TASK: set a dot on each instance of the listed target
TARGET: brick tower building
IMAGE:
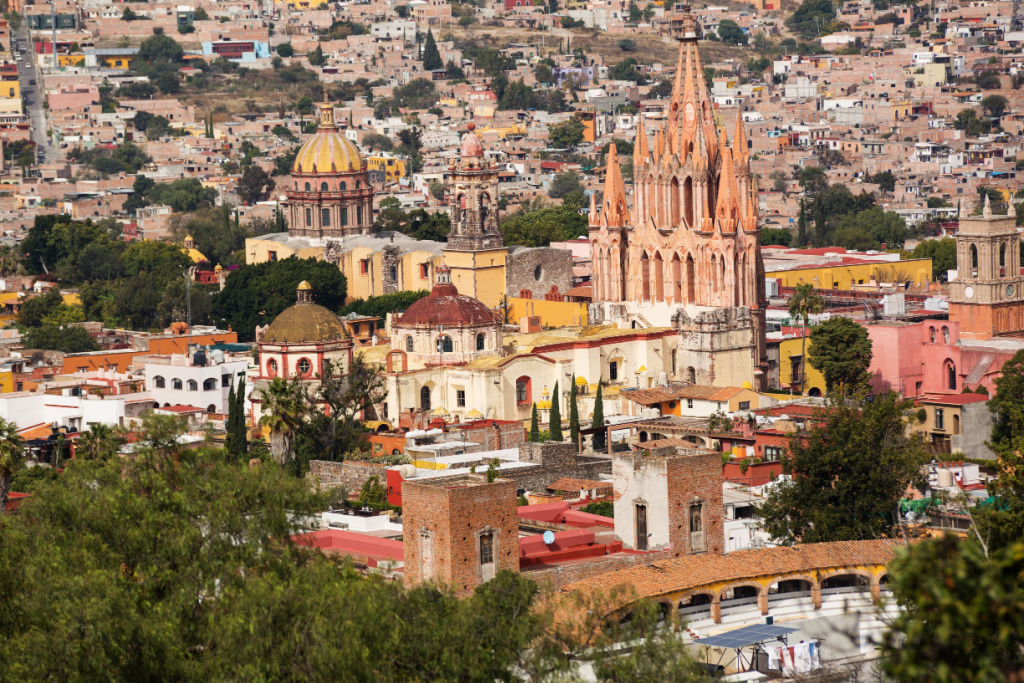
(670, 498)
(459, 531)
(987, 296)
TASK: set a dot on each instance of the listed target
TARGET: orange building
(120, 360)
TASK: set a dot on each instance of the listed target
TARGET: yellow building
(115, 61)
(790, 368)
(373, 270)
(6, 381)
(71, 60)
(845, 276)
(393, 168)
(10, 89)
(279, 246)
(551, 313)
(479, 274)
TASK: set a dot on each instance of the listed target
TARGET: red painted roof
(353, 543)
(564, 540)
(445, 306)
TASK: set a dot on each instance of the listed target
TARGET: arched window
(696, 527)
(444, 344)
(193, 385)
(209, 384)
(956, 425)
(1002, 260)
(272, 367)
(211, 408)
(344, 186)
(304, 366)
(176, 384)
(691, 375)
(931, 332)
(951, 375)
(974, 261)
(481, 342)
(945, 334)
(408, 343)
(159, 382)
(358, 185)
(425, 398)
(524, 392)
(308, 188)
(323, 187)
(325, 218)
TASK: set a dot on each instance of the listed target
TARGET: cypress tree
(431, 55)
(801, 227)
(555, 420)
(598, 421)
(229, 439)
(241, 433)
(534, 427)
(574, 415)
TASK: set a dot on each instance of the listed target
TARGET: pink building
(71, 99)
(929, 357)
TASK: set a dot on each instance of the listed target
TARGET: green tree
(381, 305)
(256, 294)
(34, 309)
(967, 120)
(543, 226)
(11, 454)
(805, 302)
(54, 338)
(841, 351)
(995, 105)
(886, 181)
(811, 16)
(813, 179)
(942, 252)
(567, 134)
(316, 58)
(730, 32)
(574, 415)
(598, 421)
(534, 426)
(962, 612)
(779, 236)
(285, 405)
(627, 70)
(563, 184)
(555, 416)
(849, 470)
(431, 55)
(285, 50)
(255, 184)
(627, 45)
(375, 141)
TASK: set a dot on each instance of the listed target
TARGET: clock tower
(987, 296)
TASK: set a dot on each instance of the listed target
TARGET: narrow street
(32, 93)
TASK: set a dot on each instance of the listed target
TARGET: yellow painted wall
(747, 395)
(394, 169)
(479, 274)
(362, 285)
(10, 89)
(71, 60)
(552, 313)
(117, 62)
(791, 347)
(6, 382)
(919, 272)
(258, 251)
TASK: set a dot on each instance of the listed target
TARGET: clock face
(969, 292)
(1010, 290)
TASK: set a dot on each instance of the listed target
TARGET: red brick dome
(445, 306)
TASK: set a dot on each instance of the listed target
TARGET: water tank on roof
(945, 478)
(217, 355)
(407, 471)
(199, 358)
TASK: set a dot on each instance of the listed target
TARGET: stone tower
(476, 251)
(474, 199)
(986, 297)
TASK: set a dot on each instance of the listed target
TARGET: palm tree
(805, 302)
(100, 442)
(10, 457)
(284, 407)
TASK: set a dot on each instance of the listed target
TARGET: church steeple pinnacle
(640, 150)
(614, 212)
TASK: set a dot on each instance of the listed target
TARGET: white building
(181, 380)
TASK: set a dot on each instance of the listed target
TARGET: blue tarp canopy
(748, 635)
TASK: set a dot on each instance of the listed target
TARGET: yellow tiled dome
(328, 151)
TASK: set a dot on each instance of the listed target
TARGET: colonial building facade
(687, 253)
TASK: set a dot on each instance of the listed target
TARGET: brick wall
(559, 577)
(557, 459)
(443, 520)
(691, 478)
(496, 436)
(350, 474)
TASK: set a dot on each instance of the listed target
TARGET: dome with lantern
(329, 194)
(445, 326)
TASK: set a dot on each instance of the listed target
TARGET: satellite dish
(549, 537)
